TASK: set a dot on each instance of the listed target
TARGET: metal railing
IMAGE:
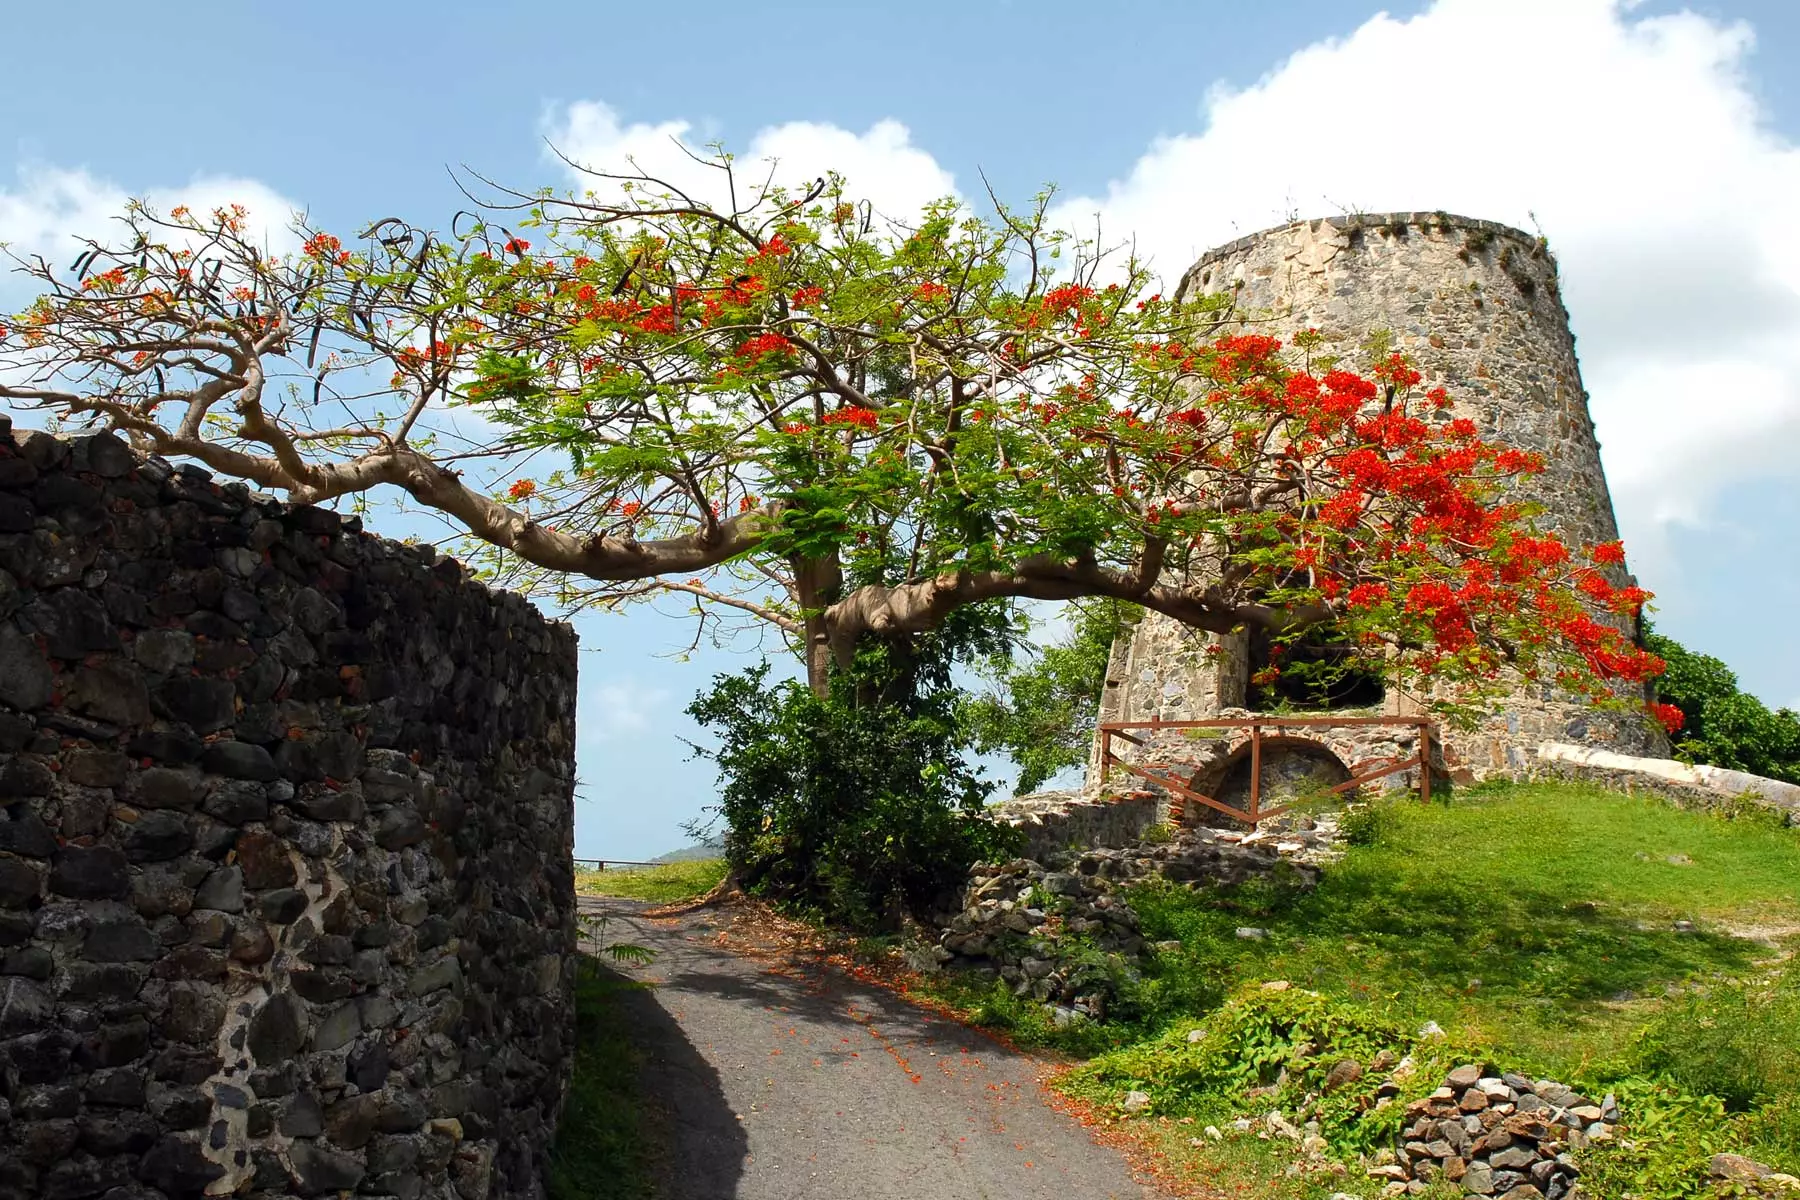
(1182, 791)
(601, 864)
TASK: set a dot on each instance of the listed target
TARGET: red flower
(1367, 595)
(522, 489)
(632, 508)
(1671, 717)
(517, 245)
(762, 344)
(806, 297)
(862, 418)
(1069, 295)
(1609, 552)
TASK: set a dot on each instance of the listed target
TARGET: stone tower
(1477, 307)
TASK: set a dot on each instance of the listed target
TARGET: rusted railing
(1389, 766)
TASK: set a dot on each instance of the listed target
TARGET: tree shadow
(647, 1115)
(1442, 931)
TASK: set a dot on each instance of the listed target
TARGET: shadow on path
(783, 1080)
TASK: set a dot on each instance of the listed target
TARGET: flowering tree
(845, 427)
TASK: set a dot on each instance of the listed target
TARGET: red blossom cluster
(322, 247)
(857, 418)
(754, 349)
(522, 489)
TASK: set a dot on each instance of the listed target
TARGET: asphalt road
(775, 1078)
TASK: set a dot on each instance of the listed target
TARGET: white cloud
(50, 208)
(881, 164)
(1633, 142)
(616, 709)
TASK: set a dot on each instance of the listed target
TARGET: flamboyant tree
(843, 426)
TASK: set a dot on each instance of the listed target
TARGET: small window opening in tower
(1316, 674)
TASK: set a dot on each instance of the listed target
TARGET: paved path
(782, 1080)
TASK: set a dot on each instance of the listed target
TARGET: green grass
(1614, 942)
(601, 1148)
(1541, 918)
(663, 884)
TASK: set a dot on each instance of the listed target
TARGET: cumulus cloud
(49, 209)
(615, 709)
(881, 164)
(1633, 143)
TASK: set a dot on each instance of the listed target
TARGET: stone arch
(1292, 767)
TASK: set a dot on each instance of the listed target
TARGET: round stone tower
(1476, 306)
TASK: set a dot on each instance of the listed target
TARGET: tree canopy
(790, 407)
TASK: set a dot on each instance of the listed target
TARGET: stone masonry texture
(286, 902)
(1477, 307)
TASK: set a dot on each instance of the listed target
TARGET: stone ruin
(286, 899)
(1478, 308)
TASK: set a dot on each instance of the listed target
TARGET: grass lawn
(1544, 926)
(663, 884)
(1547, 920)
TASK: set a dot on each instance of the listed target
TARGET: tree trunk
(817, 583)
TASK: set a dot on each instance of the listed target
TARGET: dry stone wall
(285, 828)
(1478, 308)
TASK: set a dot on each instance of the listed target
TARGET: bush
(1722, 725)
(1285, 1041)
(858, 805)
(1739, 1041)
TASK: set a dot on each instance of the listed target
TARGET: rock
(278, 1030)
(282, 906)
(1737, 1167)
(26, 682)
(1478, 1179)
(238, 760)
(156, 836)
(1136, 1102)
(318, 1169)
(1465, 1076)
(222, 890)
(1343, 1072)
(20, 881)
(265, 861)
(1251, 933)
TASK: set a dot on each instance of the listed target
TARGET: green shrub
(1722, 725)
(860, 804)
(1282, 1042)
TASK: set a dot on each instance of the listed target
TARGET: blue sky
(1654, 144)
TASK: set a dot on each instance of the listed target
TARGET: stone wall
(285, 831)
(1478, 308)
(1689, 785)
(1059, 821)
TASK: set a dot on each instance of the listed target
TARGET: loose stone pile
(285, 823)
(1498, 1135)
(1057, 932)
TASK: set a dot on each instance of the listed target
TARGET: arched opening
(1318, 674)
(1293, 769)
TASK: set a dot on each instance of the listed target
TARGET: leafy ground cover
(1614, 942)
(662, 884)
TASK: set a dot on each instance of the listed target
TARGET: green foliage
(1562, 900)
(1366, 824)
(1042, 714)
(1737, 1040)
(1670, 1137)
(662, 884)
(1722, 725)
(1283, 1041)
(860, 802)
